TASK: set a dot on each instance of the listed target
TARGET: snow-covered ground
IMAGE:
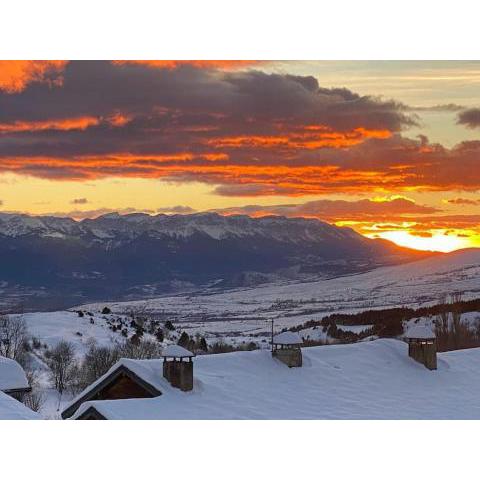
(414, 284)
(370, 380)
(240, 316)
(52, 327)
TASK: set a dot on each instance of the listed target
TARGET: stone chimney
(422, 345)
(286, 348)
(178, 367)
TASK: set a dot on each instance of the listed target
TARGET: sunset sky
(391, 149)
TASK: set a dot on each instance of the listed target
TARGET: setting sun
(438, 242)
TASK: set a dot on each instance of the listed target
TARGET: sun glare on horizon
(438, 242)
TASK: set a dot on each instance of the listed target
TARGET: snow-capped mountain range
(137, 255)
(115, 226)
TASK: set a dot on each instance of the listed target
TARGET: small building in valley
(13, 380)
(286, 347)
(422, 345)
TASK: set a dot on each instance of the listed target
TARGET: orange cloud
(80, 123)
(312, 138)
(15, 75)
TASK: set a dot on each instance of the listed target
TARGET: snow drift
(371, 380)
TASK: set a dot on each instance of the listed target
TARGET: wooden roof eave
(10, 391)
(91, 411)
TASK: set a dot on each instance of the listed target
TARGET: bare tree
(35, 398)
(97, 361)
(141, 349)
(454, 333)
(63, 365)
(13, 338)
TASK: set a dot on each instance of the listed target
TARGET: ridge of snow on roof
(354, 381)
(12, 375)
(420, 331)
(11, 409)
(287, 338)
(176, 351)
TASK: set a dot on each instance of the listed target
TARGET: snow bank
(11, 409)
(371, 380)
(12, 375)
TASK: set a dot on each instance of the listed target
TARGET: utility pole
(272, 337)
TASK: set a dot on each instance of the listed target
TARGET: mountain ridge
(129, 256)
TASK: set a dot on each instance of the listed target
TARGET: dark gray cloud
(447, 107)
(171, 109)
(338, 209)
(181, 209)
(97, 212)
(246, 133)
(470, 118)
(79, 201)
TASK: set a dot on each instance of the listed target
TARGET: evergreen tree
(169, 325)
(184, 340)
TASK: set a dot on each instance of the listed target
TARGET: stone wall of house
(292, 357)
(179, 374)
(425, 354)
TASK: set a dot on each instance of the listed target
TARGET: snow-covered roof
(176, 351)
(12, 376)
(11, 409)
(420, 331)
(250, 385)
(149, 371)
(287, 338)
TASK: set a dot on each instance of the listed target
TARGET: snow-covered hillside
(370, 380)
(247, 310)
(245, 315)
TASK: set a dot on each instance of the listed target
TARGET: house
(11, 409)
(13, 380)
(126, 379)
(135, 379)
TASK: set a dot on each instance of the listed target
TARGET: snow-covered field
(249, 310)
(369, 380)
(243, 315)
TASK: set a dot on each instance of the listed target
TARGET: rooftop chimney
(422, 345)
(286, 348)
(178, 367)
